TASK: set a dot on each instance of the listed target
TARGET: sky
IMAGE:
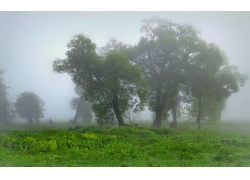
(30, 41)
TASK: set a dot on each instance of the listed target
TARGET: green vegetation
(170, 70)
(93, 146)
(175, 60)
(110, 83)
(29, 106)
(171, 60)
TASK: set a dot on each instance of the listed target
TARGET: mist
(31, 41)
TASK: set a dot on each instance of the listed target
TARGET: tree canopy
(170, 65)
(29, 106)
(170, 55)
(163, 54)
(111, 83)
(211, 82)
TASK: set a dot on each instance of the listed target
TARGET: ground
(62, 145)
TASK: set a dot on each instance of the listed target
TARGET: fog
(31, 41)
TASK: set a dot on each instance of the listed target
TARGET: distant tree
(7, 111)
(83, 108)
(51, 122)
(30, 107)
(86, 112)
(111, 83)
(211, 82)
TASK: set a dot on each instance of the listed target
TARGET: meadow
(225, 144)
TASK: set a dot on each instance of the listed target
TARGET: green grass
(39, 145)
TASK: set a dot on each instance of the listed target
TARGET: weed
(124, 146)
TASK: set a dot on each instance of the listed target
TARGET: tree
(163, 54)
(173, 57)
(83, 108)
(29, 106)
(115, 46)
(111, 83)
(211, 82)
(7, 112)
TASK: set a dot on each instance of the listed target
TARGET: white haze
(31, 41)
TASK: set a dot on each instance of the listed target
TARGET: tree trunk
(158, 112)
(198, 117)
(159, 107)
(30, 116)
(116, 108)
(77, 112)
(174, 112)
(157, 121)
(198, 120)
(30, 121)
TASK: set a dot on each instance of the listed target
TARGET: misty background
(31, 41)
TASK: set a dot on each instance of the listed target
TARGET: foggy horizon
(31, 41)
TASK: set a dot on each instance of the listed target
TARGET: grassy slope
(226, 144)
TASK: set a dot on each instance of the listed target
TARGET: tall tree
(171, 55)
(163, 53)
(211, 82)
(29, 106)
(111, 83)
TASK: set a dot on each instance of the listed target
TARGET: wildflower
(90, 135)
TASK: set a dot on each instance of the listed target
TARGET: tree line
(170, 67)
(30, 106)
(171, 64)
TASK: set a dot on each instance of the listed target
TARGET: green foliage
(175, 60)
(212, 81)
(83, 129)
(121, 78)
(163, 54)
(128, 146)
(109, 83)
(116, 47)
(29, 106)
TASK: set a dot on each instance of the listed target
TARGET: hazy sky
(31, 41)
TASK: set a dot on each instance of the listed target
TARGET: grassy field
(226, 144)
